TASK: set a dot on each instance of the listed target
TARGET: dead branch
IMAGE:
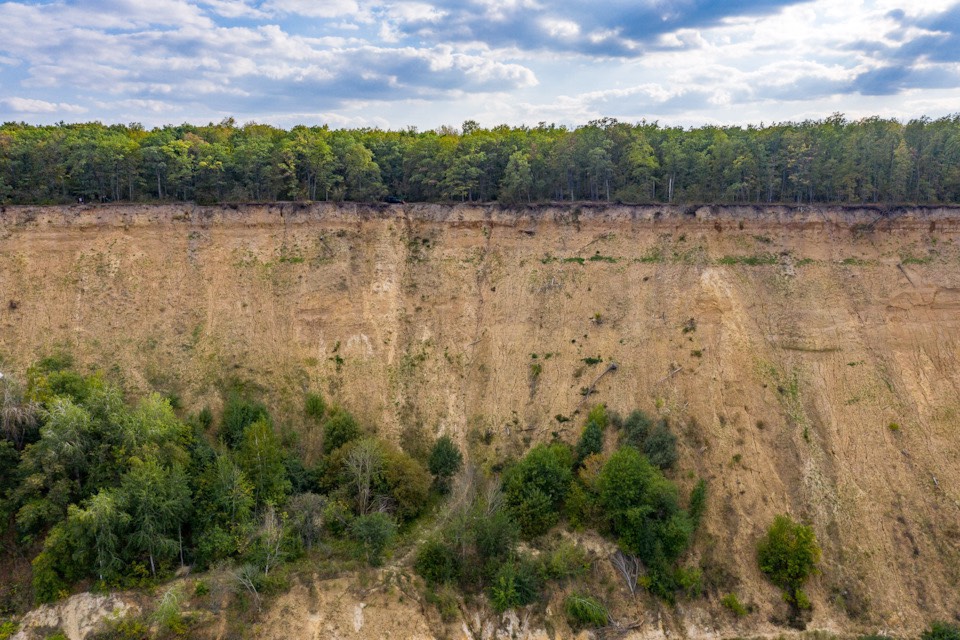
(629, 567)
(610, 368)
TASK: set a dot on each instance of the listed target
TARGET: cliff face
(808, 358)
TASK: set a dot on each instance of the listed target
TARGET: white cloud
(560, 28)
(312, 8)
(29, 105)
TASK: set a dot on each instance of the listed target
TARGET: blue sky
(426, 63)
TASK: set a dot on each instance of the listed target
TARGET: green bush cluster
(122, 494)
(788, 554)
(941, 630)
(585, 611)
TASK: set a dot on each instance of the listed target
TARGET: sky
(427, 63)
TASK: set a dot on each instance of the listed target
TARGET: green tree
(536, 486)
(224, 511)
(240, 412)
(444, 462)
(158, 502)
(644, 512)
(591, 441)
(517, 179)
(102, 524)
(788, 554)
(339, 429)
(262, 459)
(374, 532)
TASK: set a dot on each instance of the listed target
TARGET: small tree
(591, 441)
(339, 429)
(788, 555)
(262, 459)
(238, 414)
(437, 563)
(537, 486)
(444, 462)
(660, 446)
(374, 532)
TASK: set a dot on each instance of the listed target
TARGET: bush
(636, 428)
(495, 536)
(536, 487)
(339, 429)
(374, 532)
(315, 407)
(732, 602)
(123, 629)
(585, 611)
(591, 441)
(788, 555)
(437, 563)
(565, 561)
(941, 631)
(407, 482)
(7, 629)
(644, 512)
(444, 462)
(598, 415)
(698, 503)
(660, 446)
(445, 600)
(238, 414)
(516, 584)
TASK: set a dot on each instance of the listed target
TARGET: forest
(833, 160)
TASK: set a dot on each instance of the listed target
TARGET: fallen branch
(669, 375)
(610, 368)
(615, 631)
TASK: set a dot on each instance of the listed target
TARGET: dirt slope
(808, 357)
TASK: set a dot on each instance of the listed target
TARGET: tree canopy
(833, 160)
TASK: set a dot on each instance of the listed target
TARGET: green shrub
(698, 503)
(315, 407)
(123, 629)
(437, 563)
(495, 536)
(444, 462)
(339, 429)
(732, 603)
(200, 588)
(238, 414)
(374, 533)
(566, 560)
(406, 481)
(636, 428)
(660, 446)
(940, 630)
(445, 600)
(536, 487)
(585, 611)
(516, 584)
(167, 614)
(591, 441)
(643, 510)
(7, 629)
(788, 554)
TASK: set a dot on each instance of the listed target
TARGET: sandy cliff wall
(782, 342)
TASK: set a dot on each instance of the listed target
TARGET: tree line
(833, 160)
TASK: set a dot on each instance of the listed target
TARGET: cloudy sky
(425, 63)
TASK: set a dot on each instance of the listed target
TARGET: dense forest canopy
(831, 161)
